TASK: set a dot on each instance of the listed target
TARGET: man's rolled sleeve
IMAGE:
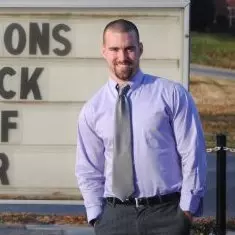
(192, 203)
(93, 212)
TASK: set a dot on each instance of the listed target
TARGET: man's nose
(122, 55)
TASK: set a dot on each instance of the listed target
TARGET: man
(141, 160)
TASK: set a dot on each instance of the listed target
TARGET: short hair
(123, 26)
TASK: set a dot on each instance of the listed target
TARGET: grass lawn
(215, 99)
(213, 50)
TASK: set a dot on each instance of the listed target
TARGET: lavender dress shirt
(168, 144)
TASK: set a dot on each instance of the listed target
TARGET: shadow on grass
(220, 37)
(213, 49)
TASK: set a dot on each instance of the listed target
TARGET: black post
(221, 186)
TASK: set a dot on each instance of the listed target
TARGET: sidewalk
(45, 230)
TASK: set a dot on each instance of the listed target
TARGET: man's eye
(130, 49)
(114, 49)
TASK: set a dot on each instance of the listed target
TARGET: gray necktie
(122, 184)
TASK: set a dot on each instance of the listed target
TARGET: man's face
(122, 52)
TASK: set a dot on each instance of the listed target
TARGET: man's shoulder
(162, 82)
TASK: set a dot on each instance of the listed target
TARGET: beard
(124, 71)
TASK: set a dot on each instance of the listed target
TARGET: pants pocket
(99, 219)
(184, 217)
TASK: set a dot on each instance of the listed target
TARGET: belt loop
(136, 202)
(160, 198)
(114, 202)
(148, 202)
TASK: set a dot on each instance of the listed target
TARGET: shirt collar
(134, 82)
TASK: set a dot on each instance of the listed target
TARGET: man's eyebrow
(130, 47)
(113, 47)
(127, 47)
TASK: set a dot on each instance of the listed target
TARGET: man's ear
(141, 48)
(103, 51)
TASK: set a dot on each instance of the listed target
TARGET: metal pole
(221, 186)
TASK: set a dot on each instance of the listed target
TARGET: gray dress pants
(165, 218)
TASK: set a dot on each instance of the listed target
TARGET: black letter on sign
(3, 72)
(61, 39)
(39, 38)
(30, 84)
(3, 169)
(8, 38)
(6, 125)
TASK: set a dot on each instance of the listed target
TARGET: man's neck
(120, 81)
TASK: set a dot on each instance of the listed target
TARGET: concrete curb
(12, 226)
(43, 227)
(42, 202)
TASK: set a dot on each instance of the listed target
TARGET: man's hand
(189, 215)
(92, 222)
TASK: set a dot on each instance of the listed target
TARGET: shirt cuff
(93, 212)
(192, 203)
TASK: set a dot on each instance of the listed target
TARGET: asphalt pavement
(213, 72)
(46, 230)
(210, 196)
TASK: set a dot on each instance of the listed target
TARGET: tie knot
(122, 90)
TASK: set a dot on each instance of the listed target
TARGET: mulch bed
(30, 218)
